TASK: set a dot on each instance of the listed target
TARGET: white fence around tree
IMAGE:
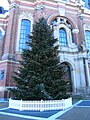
(42, 105)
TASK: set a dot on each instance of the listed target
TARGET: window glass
(1, 10)
(72, 37)
(87, 3)
(54, 21)
(24, 32)
(0, 34)
(2, 73)
(87, 35)
(62, 37)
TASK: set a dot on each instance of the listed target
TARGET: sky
(4, 4)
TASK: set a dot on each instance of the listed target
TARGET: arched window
(63, 30)
(62, 37)
(24, 32)
(87, 36)
(67, 76)
(0, 34)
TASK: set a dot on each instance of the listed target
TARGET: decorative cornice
(86, 26)
(4, 15)
(75, 31)
(27, 15)
(39, 7)
(13, 5)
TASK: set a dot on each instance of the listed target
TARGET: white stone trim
(87, 72)
(68, 33)
(71, 47)
(62, 1)
(3, 32)
(75, 31)
(4, 61)
(61, 11)
(3, 88)
(4, 15)
(86, 11)
(87, 27)
(69, 18)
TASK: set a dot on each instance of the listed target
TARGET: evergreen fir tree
(40, 73)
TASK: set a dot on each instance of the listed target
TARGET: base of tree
(42, 105)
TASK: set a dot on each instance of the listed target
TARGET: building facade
(70, 20)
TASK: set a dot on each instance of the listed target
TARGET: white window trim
(3, 32)
(68, 33)
(62, 0)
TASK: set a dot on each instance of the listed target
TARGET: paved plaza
(79, 111)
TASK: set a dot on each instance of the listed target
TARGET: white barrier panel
(42, 105)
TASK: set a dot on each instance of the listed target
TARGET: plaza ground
(79, 111)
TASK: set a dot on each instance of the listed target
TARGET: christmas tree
(40, 75)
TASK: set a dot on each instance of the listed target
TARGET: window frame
(87, 42)
(2, 75)
(0, 35)
(68, 32)
(23, 34)
(26, 16)
(62, 22)
(63, 38)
